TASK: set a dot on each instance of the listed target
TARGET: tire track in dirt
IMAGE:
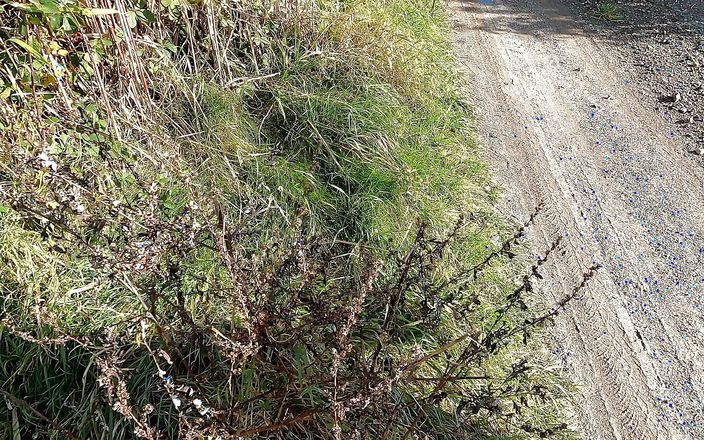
(560, 125)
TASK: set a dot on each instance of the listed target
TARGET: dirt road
(564, 121)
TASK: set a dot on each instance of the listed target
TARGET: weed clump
(608, 11)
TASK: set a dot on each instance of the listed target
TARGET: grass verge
(608, 11)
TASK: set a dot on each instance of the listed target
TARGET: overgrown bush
(247, 219)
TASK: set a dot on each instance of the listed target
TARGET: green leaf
(146, 16)
(131, 19)
(47, 7)
(32, 51)
(55, 22)
(69, 23)
(24, 7)
(91, 109)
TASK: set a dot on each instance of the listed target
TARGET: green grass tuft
(608, 11)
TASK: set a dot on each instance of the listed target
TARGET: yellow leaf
(48, 80)
(99, 11)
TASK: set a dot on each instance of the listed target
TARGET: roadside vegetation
(608, 11)
(255, 219)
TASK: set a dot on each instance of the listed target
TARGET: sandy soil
(566, 120)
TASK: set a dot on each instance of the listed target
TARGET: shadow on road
(640, 18)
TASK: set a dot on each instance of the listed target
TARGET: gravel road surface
(575, 113)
